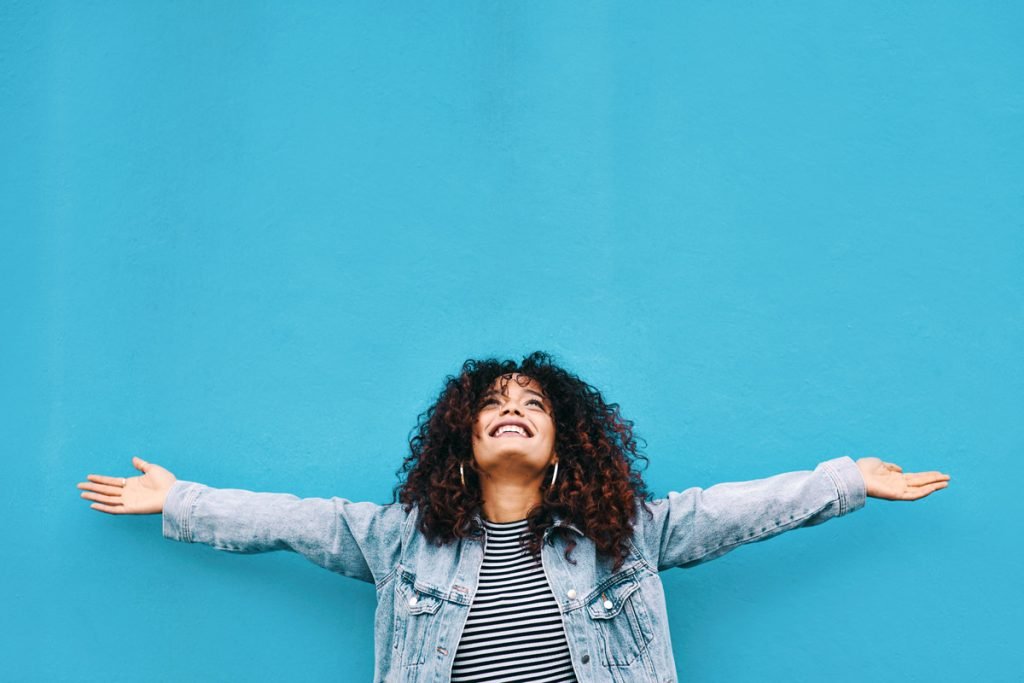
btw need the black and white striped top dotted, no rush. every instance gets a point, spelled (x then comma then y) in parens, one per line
(514, 630)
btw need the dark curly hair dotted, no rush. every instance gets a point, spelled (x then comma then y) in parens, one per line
(598, 486)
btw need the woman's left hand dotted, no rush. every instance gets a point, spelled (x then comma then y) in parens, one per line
(887, 480)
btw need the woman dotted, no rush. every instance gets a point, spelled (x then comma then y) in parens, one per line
(521, 544)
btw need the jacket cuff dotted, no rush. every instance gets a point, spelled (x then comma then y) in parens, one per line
(851, 491)
(178, 507)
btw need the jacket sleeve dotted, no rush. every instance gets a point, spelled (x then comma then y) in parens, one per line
(698, 525)
(359, 540)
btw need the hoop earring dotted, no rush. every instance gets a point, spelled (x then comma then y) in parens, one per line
(554, 474)
(462, 476)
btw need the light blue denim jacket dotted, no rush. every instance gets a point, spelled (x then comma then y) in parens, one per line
(616, 622)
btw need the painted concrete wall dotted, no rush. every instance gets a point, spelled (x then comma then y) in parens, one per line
(247, 241)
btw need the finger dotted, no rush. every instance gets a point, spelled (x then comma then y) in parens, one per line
(922, 491)
(100, 498)
(110, 481)
(140, 464)
(101, 488)
(925, 478)
(111, 509)
(894, 467)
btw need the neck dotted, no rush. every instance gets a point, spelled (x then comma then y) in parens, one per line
(508, 501)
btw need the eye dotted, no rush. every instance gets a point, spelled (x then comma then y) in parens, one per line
(488, 401)
(537, 401)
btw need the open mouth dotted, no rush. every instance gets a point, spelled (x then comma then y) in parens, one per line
(511, 429)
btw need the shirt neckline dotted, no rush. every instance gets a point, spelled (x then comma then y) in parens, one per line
(505, 525)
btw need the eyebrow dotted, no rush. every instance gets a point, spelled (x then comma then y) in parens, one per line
(493, 392)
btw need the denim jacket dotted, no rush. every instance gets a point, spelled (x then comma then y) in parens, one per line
(616, 623)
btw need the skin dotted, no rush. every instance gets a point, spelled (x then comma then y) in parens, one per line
(511, 468)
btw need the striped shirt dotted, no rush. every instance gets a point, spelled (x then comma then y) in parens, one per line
(514, 629)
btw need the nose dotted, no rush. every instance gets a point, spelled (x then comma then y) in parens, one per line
(511, 408)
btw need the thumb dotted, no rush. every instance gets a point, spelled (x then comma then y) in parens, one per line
(140, 464)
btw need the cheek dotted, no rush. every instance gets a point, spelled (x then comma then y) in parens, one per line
(550, 432)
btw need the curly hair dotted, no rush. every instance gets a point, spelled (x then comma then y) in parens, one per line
(598, 486)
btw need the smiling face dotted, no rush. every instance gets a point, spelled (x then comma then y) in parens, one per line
(514, 432)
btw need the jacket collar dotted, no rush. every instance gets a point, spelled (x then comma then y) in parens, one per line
(564, 523)
(558, 521)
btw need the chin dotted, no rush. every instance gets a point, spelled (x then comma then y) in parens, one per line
(504, 456)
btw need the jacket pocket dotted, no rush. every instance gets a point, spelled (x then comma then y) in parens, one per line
(416, 619)
(618, 613)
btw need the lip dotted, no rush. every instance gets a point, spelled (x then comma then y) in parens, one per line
(517, 423)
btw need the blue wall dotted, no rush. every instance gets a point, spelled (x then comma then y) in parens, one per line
(247, 241)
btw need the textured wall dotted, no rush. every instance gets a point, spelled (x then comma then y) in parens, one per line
(248, 241)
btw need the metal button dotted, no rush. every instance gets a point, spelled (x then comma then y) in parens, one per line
(572, 594)
(607, 604)
(412, 601)
(585, 658)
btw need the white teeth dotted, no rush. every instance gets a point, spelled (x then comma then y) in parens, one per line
(511, 428)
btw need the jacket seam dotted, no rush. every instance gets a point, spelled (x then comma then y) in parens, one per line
(188, 513)
(407, 531)
(643, 558)
(387, 578)
(336, 540)
(839, 485)
(403, 543)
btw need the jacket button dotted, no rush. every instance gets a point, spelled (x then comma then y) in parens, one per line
(413, 601)
(607, 604)
(571, 594)
(585, 658)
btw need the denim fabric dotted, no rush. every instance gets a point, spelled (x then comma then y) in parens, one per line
(616, 622)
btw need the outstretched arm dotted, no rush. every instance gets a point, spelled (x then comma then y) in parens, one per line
(698, 525)
(356, 539)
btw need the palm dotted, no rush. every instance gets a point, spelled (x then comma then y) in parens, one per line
(140, 495)
(887, 480)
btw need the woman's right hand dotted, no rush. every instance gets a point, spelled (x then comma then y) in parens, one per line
(142, 495)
